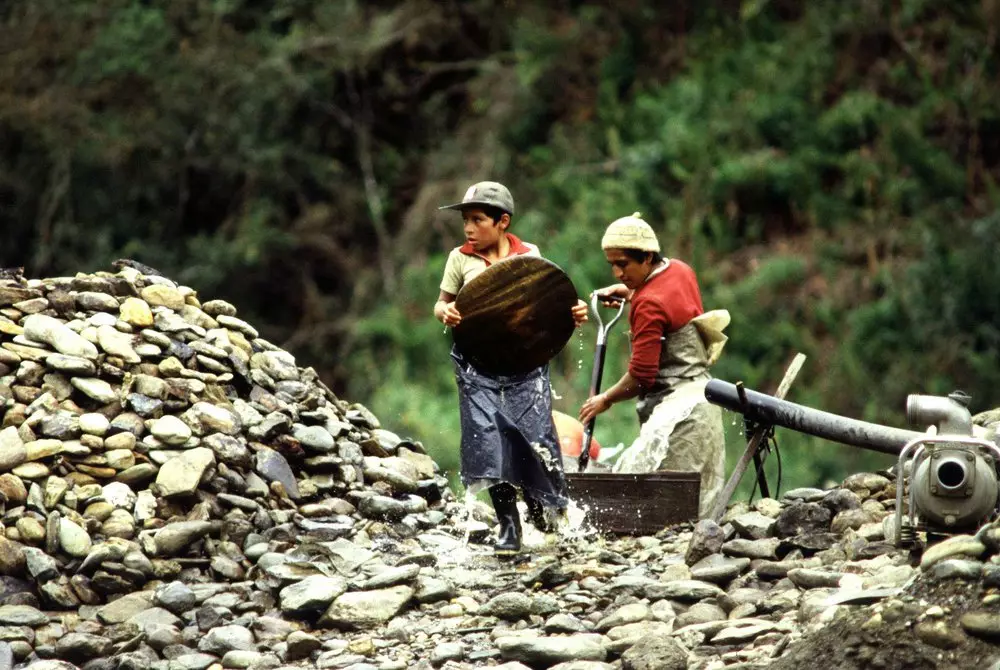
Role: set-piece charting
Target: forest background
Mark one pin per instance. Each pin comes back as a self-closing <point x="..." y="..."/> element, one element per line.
<point x="829" y="170"/>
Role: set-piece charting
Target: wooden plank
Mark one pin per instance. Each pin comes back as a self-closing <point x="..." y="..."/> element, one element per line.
<point x="722" y="502"/>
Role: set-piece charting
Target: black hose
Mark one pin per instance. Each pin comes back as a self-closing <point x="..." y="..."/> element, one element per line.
<point x="766" y="409"/>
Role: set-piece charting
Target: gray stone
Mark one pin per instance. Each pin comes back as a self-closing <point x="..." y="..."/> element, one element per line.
<point x="273" y="467"/>
<point x="626" y="614"/>
<point x="176" y="597"/>
<point x="366" y="609"/>
<point x="181" y="475"/>
<point x="447" y="651"/>
<point x="12" y="451"/>
<point x="81" y="647"/>
<point x="806" y="578"/>
<point x="957" y="546"/>
<point x="548" y="651"/>
<point x="956" y="568"/>
<point x="95" y="388"/>
<point x="21" y="615"/>
<point x="753" y="525"/>
<point x="176" y="537"/>
<point x="766" y="548"/>
<point x="981" y="624"/>
<point x="511" y="605"/>
<point x="316" y="438"/>
<point x="706" y="539"/>
<point x="58" y="335"/>
<point x="73" y="539"/>
<point x="719" y="569"/>
<point x="939" y="634"/>
<point x="171" y="430"/>
<point x="391" y="577"/>
<point x="800" y="518"/>
<point x="222" y="639"/>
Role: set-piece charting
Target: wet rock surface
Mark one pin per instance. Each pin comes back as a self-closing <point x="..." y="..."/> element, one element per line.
<point x="178" y="494"/>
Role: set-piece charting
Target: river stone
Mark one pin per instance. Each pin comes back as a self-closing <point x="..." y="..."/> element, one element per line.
<point x="312" y="594"/>
<point x="92" y="423"/>
<point x="279" y="365"/>
<point x="81" y="647"/>
<point x="706" y="539"/>
<point x="806" y="578"/>
<point x="548" y="651"/>
<point x="22" y="615"/>
<point x="71" y="365"/>
<point x="511" y="605"/>
<point x="117" y="343"/>
<point x="175" y="537"/>
<point x="956" y="568"/>
<point x="753" y="525"/>
<point x="719" y="569"/>
<point x="766" y="548"/>
<point x="182" y="474"/>
<point x="95" y="301"/>
<point x="939" y="634"/>
<point x="73" y="539"/>
<point x="273" y="467"/>
<point x="12" y="450"/>
<point x="39" y="449"/>
<point x="360" y="610"/>
<point x="223" y="639"/>
<point x="159" y="295"/>
<point x="58" y="335"/>
<point x="632" y="613"/>
<point x="690" y="590"/>
<point x="959" y="545"/>
<point x="980" y="624"/>
<point x="316" y="438"/>
<point x="171" y="430"/>
<point x="95" y="388"/>
<point x="12" y="558"/>
<point x="215" y="419"/>
<point x="802" y="518"/>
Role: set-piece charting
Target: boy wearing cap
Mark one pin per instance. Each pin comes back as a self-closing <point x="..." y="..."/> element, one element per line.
<point x="508" y="435"/>
<point x="674" y="341"/>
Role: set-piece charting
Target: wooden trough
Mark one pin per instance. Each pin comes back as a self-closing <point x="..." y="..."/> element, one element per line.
<point x="636" y="504"/>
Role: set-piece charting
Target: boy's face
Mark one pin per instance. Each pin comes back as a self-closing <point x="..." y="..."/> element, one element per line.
<point x="626" y="269"/>
<point x="481" y="231"/>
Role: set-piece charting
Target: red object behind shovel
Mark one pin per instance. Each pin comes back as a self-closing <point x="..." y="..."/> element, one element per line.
<point x="598" y="374"/>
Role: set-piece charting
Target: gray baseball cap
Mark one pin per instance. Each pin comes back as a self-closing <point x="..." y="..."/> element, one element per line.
<point x="491" y="193"/>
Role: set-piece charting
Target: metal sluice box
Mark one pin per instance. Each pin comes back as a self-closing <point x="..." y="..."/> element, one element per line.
<point x="636" y="504"/>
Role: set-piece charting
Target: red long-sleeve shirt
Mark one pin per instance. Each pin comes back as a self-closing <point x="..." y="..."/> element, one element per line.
<point x="662" y="305"/>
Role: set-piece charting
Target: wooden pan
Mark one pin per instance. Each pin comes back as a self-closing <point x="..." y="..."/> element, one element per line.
<point x="515" y="315"/>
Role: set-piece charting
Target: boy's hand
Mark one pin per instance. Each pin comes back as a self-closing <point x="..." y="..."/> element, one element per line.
<point x="612" y="296"/>
<point x="579" y="312"/>
<point x="593" y="406"/>
<point x="450" y="316"/>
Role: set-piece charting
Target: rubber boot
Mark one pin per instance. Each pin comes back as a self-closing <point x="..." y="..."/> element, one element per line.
<point x="536" y="514"/>
<point x="504" y="498"/>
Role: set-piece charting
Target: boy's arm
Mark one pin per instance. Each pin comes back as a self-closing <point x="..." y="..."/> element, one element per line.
<point x="624" y="389"/>
<point x="445" y="310"/>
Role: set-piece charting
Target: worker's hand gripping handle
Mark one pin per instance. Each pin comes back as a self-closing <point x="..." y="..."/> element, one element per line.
<point x="598" y="373"/>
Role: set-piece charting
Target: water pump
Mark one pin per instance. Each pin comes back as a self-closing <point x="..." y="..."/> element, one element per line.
<point x="953" y="480"/>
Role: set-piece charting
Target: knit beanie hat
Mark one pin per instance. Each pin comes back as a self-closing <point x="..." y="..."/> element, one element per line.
<point x="630" y="232"/>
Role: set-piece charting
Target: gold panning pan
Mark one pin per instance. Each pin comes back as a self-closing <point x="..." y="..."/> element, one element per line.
<point x="515" y="315"/>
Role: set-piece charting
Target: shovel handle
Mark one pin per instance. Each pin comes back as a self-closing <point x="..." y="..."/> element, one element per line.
<point x="598" y="372"/>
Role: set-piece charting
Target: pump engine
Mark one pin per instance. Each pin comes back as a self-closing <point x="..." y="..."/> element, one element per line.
<point x="953" y="475"/>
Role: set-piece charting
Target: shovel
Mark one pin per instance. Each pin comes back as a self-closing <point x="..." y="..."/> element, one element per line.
<point x="595" y="380"/>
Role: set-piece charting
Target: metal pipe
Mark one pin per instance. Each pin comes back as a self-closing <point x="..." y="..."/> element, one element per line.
<point x="766" y="409"/>
<point x="949" y="416"/>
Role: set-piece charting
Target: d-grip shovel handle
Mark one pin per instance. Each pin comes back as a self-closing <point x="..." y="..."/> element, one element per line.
<point x="598" y="373"/>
